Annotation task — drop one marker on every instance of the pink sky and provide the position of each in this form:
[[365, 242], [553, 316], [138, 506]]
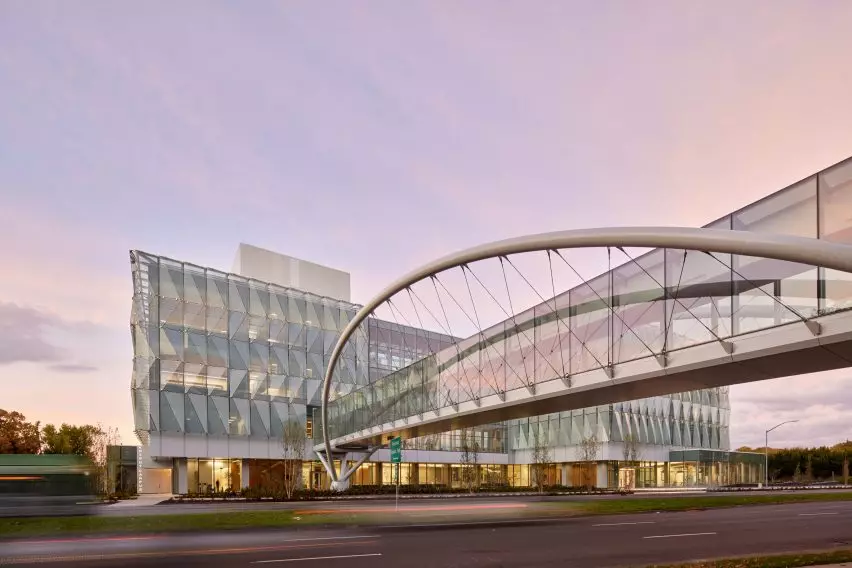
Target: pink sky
[[376, 136]]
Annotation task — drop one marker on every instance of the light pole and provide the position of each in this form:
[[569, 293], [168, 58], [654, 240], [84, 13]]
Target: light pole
[[766, 451]]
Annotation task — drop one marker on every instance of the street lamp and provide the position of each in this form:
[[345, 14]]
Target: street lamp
[[766, 451]]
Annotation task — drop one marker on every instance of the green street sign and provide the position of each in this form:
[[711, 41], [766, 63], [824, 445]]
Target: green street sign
[[396, 450]]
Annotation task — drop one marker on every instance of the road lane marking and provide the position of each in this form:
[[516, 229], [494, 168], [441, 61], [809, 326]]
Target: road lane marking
[[330, 538], [679, 535], [316, 558], [624, 524], [815, 514]]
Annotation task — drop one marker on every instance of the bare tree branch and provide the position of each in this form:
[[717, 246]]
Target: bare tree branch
[[293, 449]]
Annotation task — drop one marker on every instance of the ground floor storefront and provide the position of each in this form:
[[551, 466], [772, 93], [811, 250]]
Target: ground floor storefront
[[687, 468]]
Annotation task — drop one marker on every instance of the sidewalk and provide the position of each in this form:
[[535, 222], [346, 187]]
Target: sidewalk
[[143, 500]]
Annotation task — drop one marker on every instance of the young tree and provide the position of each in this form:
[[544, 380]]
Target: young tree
[[587, 455], [797, 474], [17, 436], [630, 450], [541, 458], [469, 460], [809, 470], [102, 438], [293, 446]]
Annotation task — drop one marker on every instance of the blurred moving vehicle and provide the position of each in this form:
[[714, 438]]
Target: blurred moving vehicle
[[45, 485]]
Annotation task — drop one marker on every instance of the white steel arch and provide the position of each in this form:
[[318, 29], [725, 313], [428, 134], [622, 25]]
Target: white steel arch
[[802, 250]]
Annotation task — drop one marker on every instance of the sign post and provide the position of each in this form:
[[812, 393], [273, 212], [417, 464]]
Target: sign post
[[396, 459]]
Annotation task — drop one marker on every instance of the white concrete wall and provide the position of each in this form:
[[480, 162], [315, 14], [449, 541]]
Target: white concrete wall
[[175, 445], [155, 480], [429, 456], [267, 266]]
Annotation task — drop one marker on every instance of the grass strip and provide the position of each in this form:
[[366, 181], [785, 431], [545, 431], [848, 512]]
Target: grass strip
[[774, 561], [649, 504]]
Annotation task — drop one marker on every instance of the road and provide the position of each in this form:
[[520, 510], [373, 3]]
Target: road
[[588, 542]]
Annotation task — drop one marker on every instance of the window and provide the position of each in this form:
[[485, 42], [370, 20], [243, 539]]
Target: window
[[309, 427]]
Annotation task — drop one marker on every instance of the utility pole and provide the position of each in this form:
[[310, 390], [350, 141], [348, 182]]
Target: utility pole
[[766, 451]]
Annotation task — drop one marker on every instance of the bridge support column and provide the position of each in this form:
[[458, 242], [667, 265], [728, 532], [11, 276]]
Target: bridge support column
[[346, 470]]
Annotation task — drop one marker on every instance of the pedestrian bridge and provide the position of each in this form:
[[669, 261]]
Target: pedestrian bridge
[[705, 308]]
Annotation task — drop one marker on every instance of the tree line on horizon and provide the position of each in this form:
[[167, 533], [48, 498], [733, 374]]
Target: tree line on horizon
[[20, 436], [804, 465]]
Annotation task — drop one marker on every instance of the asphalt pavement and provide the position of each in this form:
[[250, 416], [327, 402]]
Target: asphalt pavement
[[588, 542]]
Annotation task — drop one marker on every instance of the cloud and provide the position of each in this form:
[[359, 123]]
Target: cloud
[[819, 403], [22, 335], [73, 368], [25, 336]]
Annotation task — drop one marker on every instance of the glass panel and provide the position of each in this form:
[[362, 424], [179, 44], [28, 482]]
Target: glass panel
[[239, 417], [331, 318], [217, 290], [238, 383], [639, 304], [314, 340], [259, 386], [217, 381], [217, 351], [278, 306], [296, 336], [259, 356], [259, 419], [329, 341], [196, 413], [258, 300], [195, 285], [171, 344], [194, 316], [315, 366], [313, 314], [760, 283], [279, 360], [238, 295], [171, 412], [171, 311], [171, 279], [296, 310], [699, 305], [278, 389], [279, 415], [217, 321], [590, 325], [194, 378], [258, 328], [171, 376], [217, 415], [196, 347], [835, 203], [278, 331], [239, 355], [238, 325], [298, 362], [146, 373]]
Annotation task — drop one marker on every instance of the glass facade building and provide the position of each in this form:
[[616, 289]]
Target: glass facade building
[[222, 361]]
